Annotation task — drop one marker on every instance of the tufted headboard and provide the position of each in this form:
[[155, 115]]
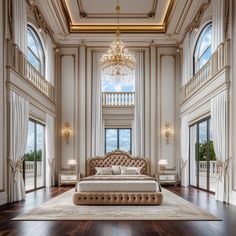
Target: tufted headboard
[[117, 157]]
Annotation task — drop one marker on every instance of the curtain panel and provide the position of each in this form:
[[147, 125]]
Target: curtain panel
[[50, 151], [19, 118], [19, 24], [184, 150], [97, 130], [139, 111], [219, 111]]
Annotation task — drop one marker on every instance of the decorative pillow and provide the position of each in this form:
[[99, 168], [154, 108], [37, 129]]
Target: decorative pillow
[[103, 171], [130, 170], [116, 170]]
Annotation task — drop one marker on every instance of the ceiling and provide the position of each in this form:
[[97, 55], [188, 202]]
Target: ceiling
[[101, 16], [142, 22]]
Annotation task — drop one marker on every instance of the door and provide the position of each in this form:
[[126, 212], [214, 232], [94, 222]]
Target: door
[[202, 156], [34, 164]]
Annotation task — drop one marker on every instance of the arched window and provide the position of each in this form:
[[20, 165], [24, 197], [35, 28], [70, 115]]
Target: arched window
[[202, 52], [35, 54]]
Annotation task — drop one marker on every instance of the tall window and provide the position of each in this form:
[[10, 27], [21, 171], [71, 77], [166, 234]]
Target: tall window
[[35, 53], [34, 164], [202, 52], [118, 138]]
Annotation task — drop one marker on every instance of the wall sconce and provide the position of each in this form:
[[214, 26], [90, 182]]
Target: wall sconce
[[168, 132], [67, 132], [162, 163], [72, 163]]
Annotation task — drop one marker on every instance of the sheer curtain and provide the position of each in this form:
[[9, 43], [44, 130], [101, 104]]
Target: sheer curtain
[[219, 109], [97, 120], [50, 151], [19, 24], [138, 124], [184, 150], [19, 118]]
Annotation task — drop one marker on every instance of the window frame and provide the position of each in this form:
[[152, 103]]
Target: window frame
[[118, 139], [39, 45], [198, 43]]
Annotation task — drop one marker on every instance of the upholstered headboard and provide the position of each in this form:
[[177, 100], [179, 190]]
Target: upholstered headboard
[[117, 157]]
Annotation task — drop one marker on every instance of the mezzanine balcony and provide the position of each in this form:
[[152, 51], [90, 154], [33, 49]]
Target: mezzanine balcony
[[218, 61], [118, 99], [18, 62]]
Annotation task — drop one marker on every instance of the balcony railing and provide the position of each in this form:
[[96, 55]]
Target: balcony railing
[[212, 167], [123, 99], [218, 60], [17, 60]]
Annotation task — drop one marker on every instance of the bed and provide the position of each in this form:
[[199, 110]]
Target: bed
[[117, 189]]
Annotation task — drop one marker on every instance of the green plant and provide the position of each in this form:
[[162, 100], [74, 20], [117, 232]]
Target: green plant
[[34, 155]]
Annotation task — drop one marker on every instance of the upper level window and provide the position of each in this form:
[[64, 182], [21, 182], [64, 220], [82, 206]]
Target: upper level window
[[35, 54], [202, 51]]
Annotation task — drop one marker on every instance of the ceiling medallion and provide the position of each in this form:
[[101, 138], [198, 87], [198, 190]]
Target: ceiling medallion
[[117, 62]]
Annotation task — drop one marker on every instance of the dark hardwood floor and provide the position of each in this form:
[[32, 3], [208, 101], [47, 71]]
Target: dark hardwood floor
[[226, 212]]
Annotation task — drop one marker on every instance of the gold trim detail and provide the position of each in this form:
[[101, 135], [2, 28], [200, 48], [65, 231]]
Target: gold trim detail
[[154, 28], [84, 14], [42, 23], [197, 19]]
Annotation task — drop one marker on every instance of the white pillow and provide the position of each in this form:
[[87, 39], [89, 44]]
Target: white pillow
[[129, 170], [116, 170], [103, 171]]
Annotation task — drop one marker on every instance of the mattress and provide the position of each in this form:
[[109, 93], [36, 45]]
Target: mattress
[[141, 183]]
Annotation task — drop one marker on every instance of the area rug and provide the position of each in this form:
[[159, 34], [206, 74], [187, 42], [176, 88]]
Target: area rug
[[62, 208]]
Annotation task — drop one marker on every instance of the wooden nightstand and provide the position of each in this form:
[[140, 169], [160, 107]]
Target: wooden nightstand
[[68, 178], [167, 179]]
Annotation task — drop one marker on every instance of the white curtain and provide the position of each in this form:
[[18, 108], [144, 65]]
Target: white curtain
[[19, 24], [49, 51], [219, 109], [96, 108], [50, 151], [218, 23], [19, 118], [184, 150], [139, 114]]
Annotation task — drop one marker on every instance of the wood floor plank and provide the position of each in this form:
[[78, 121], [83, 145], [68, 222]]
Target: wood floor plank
[[226, 212]]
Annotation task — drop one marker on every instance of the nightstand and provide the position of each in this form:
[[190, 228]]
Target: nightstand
[[68, 178], [167, 178]]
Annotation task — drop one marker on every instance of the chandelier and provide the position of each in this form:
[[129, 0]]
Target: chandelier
[[117, 62]]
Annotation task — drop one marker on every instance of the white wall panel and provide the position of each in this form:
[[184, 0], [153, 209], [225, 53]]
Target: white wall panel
[[67, 103], [168, 105]]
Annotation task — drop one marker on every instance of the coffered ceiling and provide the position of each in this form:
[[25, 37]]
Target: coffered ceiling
[[101, 16], [142, 22]]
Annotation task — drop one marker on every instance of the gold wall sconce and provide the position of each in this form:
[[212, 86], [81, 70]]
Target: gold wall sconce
[[67, 132], [168, 132]]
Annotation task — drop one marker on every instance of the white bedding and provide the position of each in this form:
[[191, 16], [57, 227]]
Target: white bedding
[[118, 186]]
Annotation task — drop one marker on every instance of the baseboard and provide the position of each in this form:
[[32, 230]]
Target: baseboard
[[3, 198]]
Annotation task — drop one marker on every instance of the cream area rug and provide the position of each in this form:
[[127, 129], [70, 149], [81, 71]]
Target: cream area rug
[[62, 208]]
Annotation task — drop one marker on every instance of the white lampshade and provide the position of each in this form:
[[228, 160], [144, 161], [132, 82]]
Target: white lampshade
[[162, 162], [72, 162]]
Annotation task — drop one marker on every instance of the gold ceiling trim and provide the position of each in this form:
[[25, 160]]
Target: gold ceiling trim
[[84, 14], [112, 28], [78, 28]]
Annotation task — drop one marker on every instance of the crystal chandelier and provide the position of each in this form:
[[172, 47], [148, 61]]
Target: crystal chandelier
[[117, 62]]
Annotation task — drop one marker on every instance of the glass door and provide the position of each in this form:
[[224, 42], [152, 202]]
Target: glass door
[[34, 164], [202, 156]]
